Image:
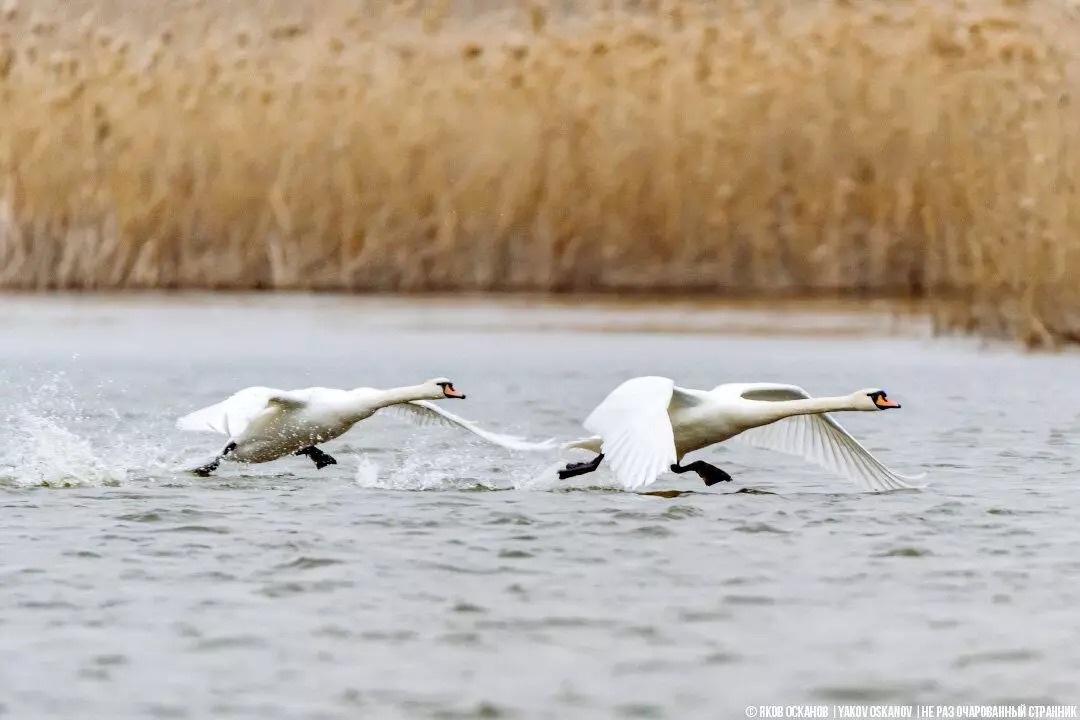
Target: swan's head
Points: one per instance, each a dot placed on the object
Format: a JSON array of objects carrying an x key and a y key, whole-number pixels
[
  {"x": 874, "y": 399},
  {"x": 443, "y": 388}
]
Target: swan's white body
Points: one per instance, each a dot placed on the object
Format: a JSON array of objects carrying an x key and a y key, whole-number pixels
[
  {"x": 267, "y": 423},
  {"x": 648, "y": 423}
]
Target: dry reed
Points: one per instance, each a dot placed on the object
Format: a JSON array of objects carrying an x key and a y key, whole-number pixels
[{"x": 763, "y": 148}]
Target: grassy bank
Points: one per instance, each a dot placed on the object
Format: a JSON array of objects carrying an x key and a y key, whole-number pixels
[{"x": 762, "y": 149}]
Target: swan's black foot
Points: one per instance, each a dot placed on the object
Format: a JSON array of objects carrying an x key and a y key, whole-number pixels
[
  {"x": 581, "y": 468},
  {"x": 210, "y": 467},
  {"x": 709, "y": 473},
  {"x": 321, "y": 459},
  {"x": 207, "y": 469}
]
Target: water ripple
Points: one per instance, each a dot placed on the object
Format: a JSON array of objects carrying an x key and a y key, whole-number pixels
[{"x": 425, "y": 586}]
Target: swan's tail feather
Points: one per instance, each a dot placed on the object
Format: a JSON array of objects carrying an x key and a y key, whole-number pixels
[
  {"x": 207, "y": 419},
  {"x": 593, "y": 443},
  {"x": 231, "y": 416}
]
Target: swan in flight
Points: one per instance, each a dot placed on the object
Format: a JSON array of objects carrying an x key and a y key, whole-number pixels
[
  {"x": 646, "y": 425},
  {"x": 264, "y": 424}
]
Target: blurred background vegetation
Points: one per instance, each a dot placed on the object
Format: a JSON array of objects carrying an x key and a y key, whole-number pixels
[{"x": 762, "y": 149}]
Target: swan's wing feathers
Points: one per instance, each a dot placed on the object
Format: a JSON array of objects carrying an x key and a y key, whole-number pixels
[
  {"x": 423, "y": 412},
  {"x": 681, "y": 398},
  {"x": 821, "y": 440},
  {"x": 232, "y": 415},
  {"x": 640, "y": 448},
  {"x": 629, "y": 398},
  {"x": 633, "y": 422},
  {"x": 288, "y": 400},
  {"x": 762, "y": 391}
]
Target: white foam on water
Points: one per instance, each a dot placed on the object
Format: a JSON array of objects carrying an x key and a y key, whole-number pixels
[
  {"x": 417, "y": 465},
  {"x": 367, "y": 472},
  {"x": 54, "y": 456},
  {"x": 545, "y": 479},
  {"x": 43, "y": 443},
  {"x": 417, "y": 473}
]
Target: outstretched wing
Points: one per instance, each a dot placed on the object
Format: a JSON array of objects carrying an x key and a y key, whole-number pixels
[
  {"x": 633, "y": 423},
  {"x": 426, "y": 413},
  {"x": 232, "y": 416},
  {"x": 818, "y": 438},
  {"x": 761, "y": 391}
]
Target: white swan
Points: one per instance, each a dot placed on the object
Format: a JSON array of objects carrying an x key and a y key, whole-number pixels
[
  {"x": 646, "y": 425},
  {"x": 265, "y": 424}
]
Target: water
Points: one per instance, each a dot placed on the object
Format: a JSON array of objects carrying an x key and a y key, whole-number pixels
[{"x": 416, "y": 579}]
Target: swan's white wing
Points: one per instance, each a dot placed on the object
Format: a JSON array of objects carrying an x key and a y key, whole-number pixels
[
  {"x": 232, "y": 415},
  {"x": 761, "y": 391},
  {"x": 819, "y": 439},
  {"x": 425, "y": 413},
  {"x": 633, "y": 423}
]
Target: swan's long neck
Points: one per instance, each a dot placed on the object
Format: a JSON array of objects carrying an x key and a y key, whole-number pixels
[
  {"x": 394, "y": 396},
  {"x": 364, "y": 403},
  {"x": 781, "y": 409}
]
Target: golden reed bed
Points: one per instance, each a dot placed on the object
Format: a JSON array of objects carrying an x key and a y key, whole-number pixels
[{"x": 763, "y": 148}]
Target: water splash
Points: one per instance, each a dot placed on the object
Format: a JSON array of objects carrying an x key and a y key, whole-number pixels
[
  {"x": 367, "y": 473},
  {"x": 53, "y": 456},
  {"x": 417, "y": 471},
  {"x": 44, "y": 439},
  {"x": 545, "y": 479}
]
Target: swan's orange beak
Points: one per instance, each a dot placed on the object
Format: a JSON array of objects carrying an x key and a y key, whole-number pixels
[
  {"x": 450, "y": 392},
  {"x": 882, "y": 402}
]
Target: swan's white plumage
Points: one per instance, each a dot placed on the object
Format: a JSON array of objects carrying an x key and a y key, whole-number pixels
[
  {"x": 636, "y": 430},
  {"x": 232, "y": 415},
  {"x": 646, "y": 424},
  {"x": 426, "y": 413},
  {"x": 819, "y": 439},
  {"x": 264, "y": 423}
]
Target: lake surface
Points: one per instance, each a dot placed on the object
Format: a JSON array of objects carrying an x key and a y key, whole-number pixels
[{"x": 417, "y": 578}]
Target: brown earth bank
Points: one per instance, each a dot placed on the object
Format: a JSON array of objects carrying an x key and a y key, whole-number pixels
[{"x": 762, "y": 149}]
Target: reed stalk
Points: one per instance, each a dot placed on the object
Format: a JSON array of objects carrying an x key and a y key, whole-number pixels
[{"x": 758, "y": 148}]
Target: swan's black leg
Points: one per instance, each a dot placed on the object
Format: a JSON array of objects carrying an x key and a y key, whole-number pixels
[
  {"x": 581, "y": 468},
  {"x": 709, "y": 473},
  {"x": 320, "y": 458},
  {"x": 205, "y": 470}
]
